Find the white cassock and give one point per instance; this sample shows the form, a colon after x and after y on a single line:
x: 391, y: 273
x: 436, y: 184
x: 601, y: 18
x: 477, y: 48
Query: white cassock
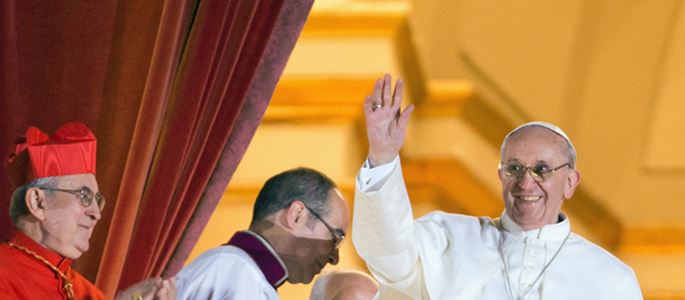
x: 233, y: 272
x: 451, y: 256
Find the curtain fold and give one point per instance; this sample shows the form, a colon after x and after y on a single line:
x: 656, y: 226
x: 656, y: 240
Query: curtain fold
x: 173, y: 89
x: 152, y: 57
x: 216, y: 69
x: 289, y: 23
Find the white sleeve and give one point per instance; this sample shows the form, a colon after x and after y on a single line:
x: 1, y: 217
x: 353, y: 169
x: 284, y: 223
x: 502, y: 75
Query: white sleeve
x: 383, y: 231
x: 370, y: 179
x: 220, y: 276
x: 629, y: 288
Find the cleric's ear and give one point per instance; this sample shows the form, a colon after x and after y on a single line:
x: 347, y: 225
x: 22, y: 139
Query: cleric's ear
x: 35, y: 202
x: 295, y: 216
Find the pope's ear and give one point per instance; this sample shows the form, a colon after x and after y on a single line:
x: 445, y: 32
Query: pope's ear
x: 572, y: 182
x: 35, y: 203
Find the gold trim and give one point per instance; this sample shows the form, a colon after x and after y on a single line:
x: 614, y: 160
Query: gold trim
x: 455, y: 188
x: 328, y: 90
x: 657, y: 240
x: 319, y: 98
x: 355, y: 19
x: 444, y: 98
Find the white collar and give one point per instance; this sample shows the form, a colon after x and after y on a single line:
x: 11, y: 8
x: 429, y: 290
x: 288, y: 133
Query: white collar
x: 552, y: 232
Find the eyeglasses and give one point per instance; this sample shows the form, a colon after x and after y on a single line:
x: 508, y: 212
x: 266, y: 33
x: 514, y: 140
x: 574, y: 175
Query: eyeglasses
x: 84, y: 194
x: 338, y: 234
x: 540, y: 173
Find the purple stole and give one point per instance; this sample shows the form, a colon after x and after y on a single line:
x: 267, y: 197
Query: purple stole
x: 263, y: 254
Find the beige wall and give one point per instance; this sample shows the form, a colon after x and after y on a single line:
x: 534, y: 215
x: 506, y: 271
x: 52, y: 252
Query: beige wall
x: 609, y: 72
x: 665, y: 146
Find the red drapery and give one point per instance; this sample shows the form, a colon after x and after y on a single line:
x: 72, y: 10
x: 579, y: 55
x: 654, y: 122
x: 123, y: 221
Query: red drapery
x: 174, y: 91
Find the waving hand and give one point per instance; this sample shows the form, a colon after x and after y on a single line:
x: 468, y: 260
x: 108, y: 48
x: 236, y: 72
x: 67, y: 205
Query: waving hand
x: 386, y: 123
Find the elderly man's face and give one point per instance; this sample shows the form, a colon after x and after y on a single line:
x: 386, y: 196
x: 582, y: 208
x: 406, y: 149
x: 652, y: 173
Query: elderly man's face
x: 316, y: 246
x: 529, y: 203
x: 67, y: 225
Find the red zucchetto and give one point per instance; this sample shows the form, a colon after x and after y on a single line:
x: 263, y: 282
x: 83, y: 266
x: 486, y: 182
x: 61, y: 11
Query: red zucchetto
x: 71, y: 150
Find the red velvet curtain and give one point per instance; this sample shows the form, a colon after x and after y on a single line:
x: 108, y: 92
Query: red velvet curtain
x: 174, y: 91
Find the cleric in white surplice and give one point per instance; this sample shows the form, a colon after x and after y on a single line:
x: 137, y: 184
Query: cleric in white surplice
x: 528, y: 253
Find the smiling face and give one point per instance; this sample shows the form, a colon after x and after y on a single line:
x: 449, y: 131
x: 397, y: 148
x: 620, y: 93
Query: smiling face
x: 66, y: 225
x: 529, y: 203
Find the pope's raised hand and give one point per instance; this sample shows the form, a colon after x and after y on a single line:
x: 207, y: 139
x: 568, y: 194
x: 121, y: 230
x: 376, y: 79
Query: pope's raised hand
x: 386, y: 123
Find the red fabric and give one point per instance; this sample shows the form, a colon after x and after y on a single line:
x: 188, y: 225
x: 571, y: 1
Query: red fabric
x: 289, y: 23
x: 173, y: 89
x: 71, y: 150
x: 22, y: 276
x: 224, y: 48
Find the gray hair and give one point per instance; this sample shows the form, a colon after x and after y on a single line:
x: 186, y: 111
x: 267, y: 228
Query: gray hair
x: 18, y: 205
x: 571, y: 150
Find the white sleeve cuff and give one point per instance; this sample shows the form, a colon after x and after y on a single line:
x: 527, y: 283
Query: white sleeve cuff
x: 369, y: 178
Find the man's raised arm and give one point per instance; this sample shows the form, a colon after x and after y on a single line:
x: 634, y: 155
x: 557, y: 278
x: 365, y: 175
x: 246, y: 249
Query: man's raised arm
x: 383, y: 225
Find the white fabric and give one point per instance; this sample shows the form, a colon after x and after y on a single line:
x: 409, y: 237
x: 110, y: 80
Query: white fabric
x: 451, y: 256
x: 226, y: 272
x: 549, y: 126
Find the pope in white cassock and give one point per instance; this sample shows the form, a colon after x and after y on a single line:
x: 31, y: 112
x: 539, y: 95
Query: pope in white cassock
x: 528, y: 253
